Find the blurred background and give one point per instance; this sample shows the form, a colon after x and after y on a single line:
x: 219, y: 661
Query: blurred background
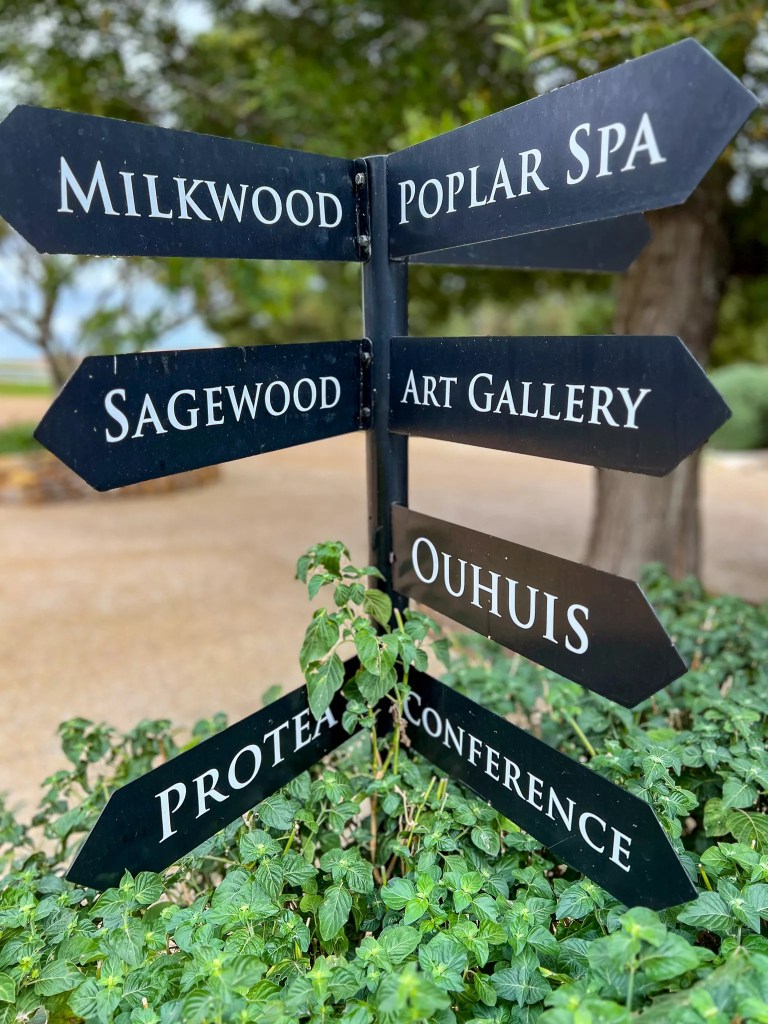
x: 178, y: 600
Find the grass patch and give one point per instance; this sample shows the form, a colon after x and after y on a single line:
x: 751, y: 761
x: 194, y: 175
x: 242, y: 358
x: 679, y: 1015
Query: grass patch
x: 17, y: 439
x: 13, y: 389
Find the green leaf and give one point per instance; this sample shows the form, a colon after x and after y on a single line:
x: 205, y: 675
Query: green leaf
x: 316, y: 582
x: 397, y: 892
x: 378, y: 605
x: 738, y: 793
x: 57, y: 976
x: 277, y: 812
x: 334, y: 911
x: 323, y: 683
x: 576, y: 901
x: 715, y: 818
x: 321, y: 634
x: 399, y: 941
x: 7, y: 989
x: 374, y: 687
x: 521, y: 984
x: 748, y: 827
x: 415, y: 909
x: 486, y: 839
x: 149, y: 888
x: 673, y: 958
x: 256, y: 845
x: 444, y: 961
x: 709, y: 910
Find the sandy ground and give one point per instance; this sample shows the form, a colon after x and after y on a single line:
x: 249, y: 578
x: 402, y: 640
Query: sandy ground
x: 185, y: 604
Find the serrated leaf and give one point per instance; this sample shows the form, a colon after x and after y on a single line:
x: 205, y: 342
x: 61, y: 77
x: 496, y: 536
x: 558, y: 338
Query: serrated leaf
x: 323, y: 683
x: 277, y: 812
x: 334, y: 911
x: 738, y: 794
x: 444, y: 961
x: 320, y: 636
x: 378, y: 605
x: 709, y: 910
x: 399, y: 941
x: 256, y: 845
x: 486, y: 839
x: 149, y: 888
x: 715, y: 818
x: 372, y: 687
x: 56, y: 977
x: 415, y: 909
x: 748, y: 827
x: 397, y: 892
x: 7, y: 989
x: 520, y: 984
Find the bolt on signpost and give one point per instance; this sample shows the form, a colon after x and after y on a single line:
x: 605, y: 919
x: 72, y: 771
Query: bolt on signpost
x: 558, y: 182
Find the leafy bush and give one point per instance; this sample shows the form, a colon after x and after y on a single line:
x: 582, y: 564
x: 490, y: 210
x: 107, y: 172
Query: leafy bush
x: 372, y: 889
x: 17, y: 438
x: 744, y: 386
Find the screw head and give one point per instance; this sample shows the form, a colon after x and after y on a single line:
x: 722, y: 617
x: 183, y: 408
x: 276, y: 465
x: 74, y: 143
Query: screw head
x: 364, y: 240
x: 359, y: 178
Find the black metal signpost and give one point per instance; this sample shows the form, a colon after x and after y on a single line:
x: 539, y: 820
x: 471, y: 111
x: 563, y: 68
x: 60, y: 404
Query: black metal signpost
x: 609, y: 246
x: 637, y: 137
x: 122, y: 419
x: 587, y: 625
x: 637, y: 404
x: 102, y: 187
x: 597, y: 827
x: 557, y: 182
x: 152, y: 822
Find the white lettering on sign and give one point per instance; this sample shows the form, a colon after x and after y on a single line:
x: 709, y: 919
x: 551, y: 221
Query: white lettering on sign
x: 193, y: 199
x: 596, y: 832
x: 599, y: 153
x: 528, y: 609
x: 218, y: 405
x: 216, y: 784
x: 595, y: 404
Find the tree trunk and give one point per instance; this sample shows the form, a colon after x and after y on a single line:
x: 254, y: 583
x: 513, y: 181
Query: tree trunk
x: 674, y: 287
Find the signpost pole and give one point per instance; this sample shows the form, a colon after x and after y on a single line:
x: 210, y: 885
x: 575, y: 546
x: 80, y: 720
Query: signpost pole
x: 385, y: 315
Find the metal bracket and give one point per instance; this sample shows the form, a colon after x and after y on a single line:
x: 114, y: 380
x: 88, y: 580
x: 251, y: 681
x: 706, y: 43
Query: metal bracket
x: 362, y: 211
x: 366, y: 384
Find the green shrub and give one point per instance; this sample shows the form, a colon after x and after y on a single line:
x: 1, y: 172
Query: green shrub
x: 17, y: 439
x: 744, y: 386
x: 372, y: 889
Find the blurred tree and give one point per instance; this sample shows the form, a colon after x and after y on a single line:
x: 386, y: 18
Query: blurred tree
x: 676, y: 284
x: 61, y: 306
x: 98, y: 57
x: 350, y: 78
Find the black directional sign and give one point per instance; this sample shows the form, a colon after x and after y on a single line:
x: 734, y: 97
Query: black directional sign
x: 630, y: 403
x: 595, y: 826
x: 587, y: 625
x: 73, y: 183
x: 152, y: 822
x: 122, y: 419
x: 609, y: 246
x: 637, y: 137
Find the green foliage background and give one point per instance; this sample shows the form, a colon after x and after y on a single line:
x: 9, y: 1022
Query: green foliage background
x: 444, y: 910
x: 353, y: 77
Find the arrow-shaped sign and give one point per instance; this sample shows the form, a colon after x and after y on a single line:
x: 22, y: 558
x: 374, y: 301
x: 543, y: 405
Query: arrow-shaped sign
x: 122, y: 419
x: 74, y: 183
x: 585, y: 624
x: 631, y: 403
x: 607, y: 246
x: 595, y: 826
x: 638, y: 137
x: 152, y: 822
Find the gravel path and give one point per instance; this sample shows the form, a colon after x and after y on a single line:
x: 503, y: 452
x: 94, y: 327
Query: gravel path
x: 184, y: 604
